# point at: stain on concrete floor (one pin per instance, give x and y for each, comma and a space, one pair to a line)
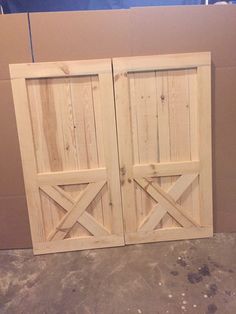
197, 276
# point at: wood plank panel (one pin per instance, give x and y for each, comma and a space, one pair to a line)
86, 140
143, 97
190, 198
179, 119
205, 153
111, 155
75, 245
59, 69
76, 173
162, 62
125, 150
169, 235
28, 158
139, 209
164, 134
72, 177
174, 99
103, 215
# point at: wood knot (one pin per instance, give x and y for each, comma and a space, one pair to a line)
65, 69
117, 77
123, 171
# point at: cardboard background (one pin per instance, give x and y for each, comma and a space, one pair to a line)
101, 34
14, 222
80, 35
163, 30
14, 42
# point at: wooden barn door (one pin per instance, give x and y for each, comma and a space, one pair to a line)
67, 132
163, 110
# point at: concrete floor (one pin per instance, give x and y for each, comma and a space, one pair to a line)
197, 276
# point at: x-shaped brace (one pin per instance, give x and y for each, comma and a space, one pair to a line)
166, 202
76, 210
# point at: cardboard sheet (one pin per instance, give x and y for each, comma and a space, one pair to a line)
14, 42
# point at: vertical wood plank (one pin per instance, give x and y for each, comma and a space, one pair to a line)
139, 206
28, 159
111, 151
103, 215
54, 138
179, 115
86, 146
194, 139
146, 116
164, 133
125, 150
35, 105
204, 99
62, 102
179, 121
136, 138
64, 111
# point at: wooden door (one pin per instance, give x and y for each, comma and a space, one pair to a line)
67, 133
163, 107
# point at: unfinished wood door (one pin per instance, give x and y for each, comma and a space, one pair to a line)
67, 132
163, 107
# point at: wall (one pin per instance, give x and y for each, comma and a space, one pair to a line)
14, 224
101, 34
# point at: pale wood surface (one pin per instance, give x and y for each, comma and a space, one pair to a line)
204, 86
162, 90
168, 234
166, 201
75, 168
158, 211
28, 159
59, 69
161, 62
73, 244
68, 140
160, 101
165, 169
84, 199
125, 151
72, 177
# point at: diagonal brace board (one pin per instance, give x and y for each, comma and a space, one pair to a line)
75, 210
167, 202
158, 211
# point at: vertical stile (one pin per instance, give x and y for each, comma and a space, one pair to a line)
28, 158
205, 154
125, 149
